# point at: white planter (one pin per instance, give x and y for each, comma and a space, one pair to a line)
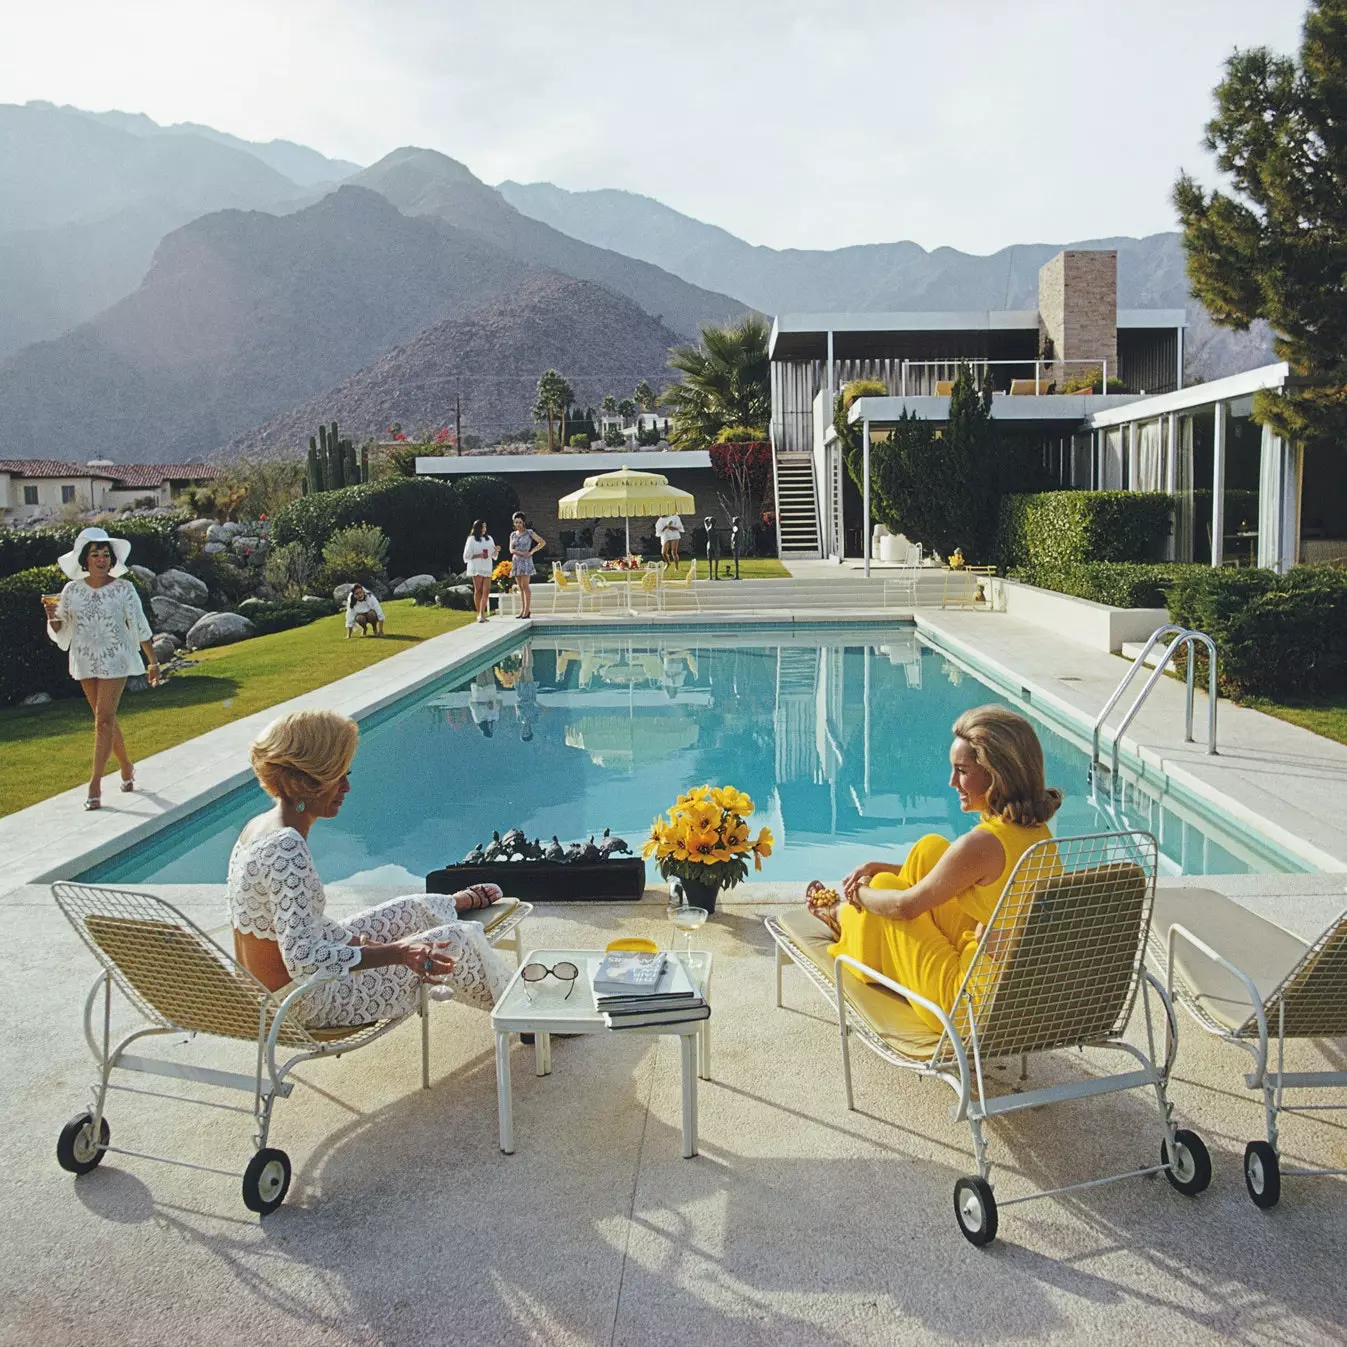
1080, 620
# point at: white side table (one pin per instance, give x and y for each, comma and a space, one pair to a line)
551, 1012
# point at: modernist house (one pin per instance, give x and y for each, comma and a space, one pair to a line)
36, 488
1098, 389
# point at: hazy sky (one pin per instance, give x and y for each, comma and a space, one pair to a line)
969, 123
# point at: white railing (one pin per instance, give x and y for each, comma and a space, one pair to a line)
912, 374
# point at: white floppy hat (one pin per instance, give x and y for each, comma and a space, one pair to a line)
70, 562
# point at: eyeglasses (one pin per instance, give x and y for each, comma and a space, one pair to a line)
565, 971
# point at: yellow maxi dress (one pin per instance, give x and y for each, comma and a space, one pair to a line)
931, 953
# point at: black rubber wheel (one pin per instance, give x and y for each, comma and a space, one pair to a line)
1262, 1174
1189, 1169
266, 1181
76, 1150
975, 1210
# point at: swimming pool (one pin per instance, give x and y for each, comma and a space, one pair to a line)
840, 735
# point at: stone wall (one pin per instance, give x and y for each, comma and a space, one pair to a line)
1078, 311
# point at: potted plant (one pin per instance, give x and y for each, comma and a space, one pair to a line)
704, 841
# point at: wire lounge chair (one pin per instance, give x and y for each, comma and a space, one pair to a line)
1059, 966
1255, 985
563, 584
182, 982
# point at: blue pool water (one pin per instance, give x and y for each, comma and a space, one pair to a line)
840, 735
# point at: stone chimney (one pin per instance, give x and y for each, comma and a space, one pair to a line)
1078, 313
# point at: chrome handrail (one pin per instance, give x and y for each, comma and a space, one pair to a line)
1183, 636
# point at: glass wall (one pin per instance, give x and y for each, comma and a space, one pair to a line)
1243, 466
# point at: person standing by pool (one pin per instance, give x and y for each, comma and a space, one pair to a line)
98, 618
669, 528
526, 694
479, 552
276, 901
524, 543
363, 610
920, 923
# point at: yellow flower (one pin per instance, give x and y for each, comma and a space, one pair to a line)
733, 799
701, 846
763, 845
694, 796
736, 836
703, 817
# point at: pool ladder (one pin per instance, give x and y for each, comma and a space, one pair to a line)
1183, 637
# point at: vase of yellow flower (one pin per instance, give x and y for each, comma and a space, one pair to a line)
704, 841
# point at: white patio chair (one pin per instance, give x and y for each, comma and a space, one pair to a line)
1059, 966
685, 584
1251, 983
596, 590
182, 982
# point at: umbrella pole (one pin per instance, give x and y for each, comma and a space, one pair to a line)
629, 535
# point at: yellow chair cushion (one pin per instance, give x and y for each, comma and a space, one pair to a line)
885, 1012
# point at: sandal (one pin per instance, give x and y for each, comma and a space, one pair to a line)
822, 903
128, 783
93, 802
482, 895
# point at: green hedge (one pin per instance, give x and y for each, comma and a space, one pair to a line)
1276, 635
270, 617
32, 662
1121, 584
426, 520
154, 543
1060, 527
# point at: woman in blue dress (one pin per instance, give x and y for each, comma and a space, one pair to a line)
523, 544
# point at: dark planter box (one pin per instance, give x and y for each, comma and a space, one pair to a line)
549, 881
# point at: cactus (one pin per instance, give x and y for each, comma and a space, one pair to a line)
351, 462
364, 462
314, 476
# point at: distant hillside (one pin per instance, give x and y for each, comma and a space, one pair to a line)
86, 203
241, 316
896, 276
603, 342
424, 182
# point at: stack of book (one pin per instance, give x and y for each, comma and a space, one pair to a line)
638, 991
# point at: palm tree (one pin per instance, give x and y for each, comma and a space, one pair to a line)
726, 382
555, 395
645, 396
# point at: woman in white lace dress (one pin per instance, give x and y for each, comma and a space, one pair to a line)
99, 620
276, 902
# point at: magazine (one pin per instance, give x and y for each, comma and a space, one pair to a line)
626, 973
653, 1016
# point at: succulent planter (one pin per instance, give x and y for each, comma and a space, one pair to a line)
621, 879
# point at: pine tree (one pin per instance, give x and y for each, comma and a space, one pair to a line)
1276, 246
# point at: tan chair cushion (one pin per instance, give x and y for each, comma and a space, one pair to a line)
1258, 947
944, 387
491, 917
887, 1013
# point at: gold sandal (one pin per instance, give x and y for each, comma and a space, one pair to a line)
823, 903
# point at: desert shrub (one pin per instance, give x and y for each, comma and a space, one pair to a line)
1090, 381
356, 553
1276, 635
227, 582
613, 438
271, 617
1121, 584
33, 662
580, 441
290, 570
154, 543
1061, 527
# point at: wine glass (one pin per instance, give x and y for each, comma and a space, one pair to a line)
686, 916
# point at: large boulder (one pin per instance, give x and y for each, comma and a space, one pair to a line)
144, 574
411, 586
175, 617
195, 528
342, 592
219, 629
233, 529
165, 645
218, 533
181, 586
245, 543
212, 548
455, 596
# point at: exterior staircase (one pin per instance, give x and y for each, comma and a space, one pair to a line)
797, 522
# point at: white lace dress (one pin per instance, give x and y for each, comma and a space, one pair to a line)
275, 894
102, 628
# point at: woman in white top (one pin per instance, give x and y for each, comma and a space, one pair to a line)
276, 901
363, 609
99, 620
670, 530
479, 555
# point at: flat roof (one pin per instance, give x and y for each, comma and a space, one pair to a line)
805, 328
651, 460
1072, 408
1196, 395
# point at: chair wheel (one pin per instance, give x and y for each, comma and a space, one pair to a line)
266, 1181
1189, 1169
76, 1150
1262, 1174
975, 1210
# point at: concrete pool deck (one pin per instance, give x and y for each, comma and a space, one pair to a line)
800, 1222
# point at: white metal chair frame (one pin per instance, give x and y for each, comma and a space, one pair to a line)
962, 1050
84, 1140
1319, 978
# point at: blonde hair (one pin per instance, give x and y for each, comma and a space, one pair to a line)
1006, 745
300, 754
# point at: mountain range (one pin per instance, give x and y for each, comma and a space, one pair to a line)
177, 291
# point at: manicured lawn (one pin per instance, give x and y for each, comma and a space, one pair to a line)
46, 749
1328, 717
750, 568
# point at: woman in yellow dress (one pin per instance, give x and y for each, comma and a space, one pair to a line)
920, 924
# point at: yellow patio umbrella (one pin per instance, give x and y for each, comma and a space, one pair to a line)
625, 494
615, 741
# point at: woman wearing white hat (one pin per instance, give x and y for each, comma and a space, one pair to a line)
98, 618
